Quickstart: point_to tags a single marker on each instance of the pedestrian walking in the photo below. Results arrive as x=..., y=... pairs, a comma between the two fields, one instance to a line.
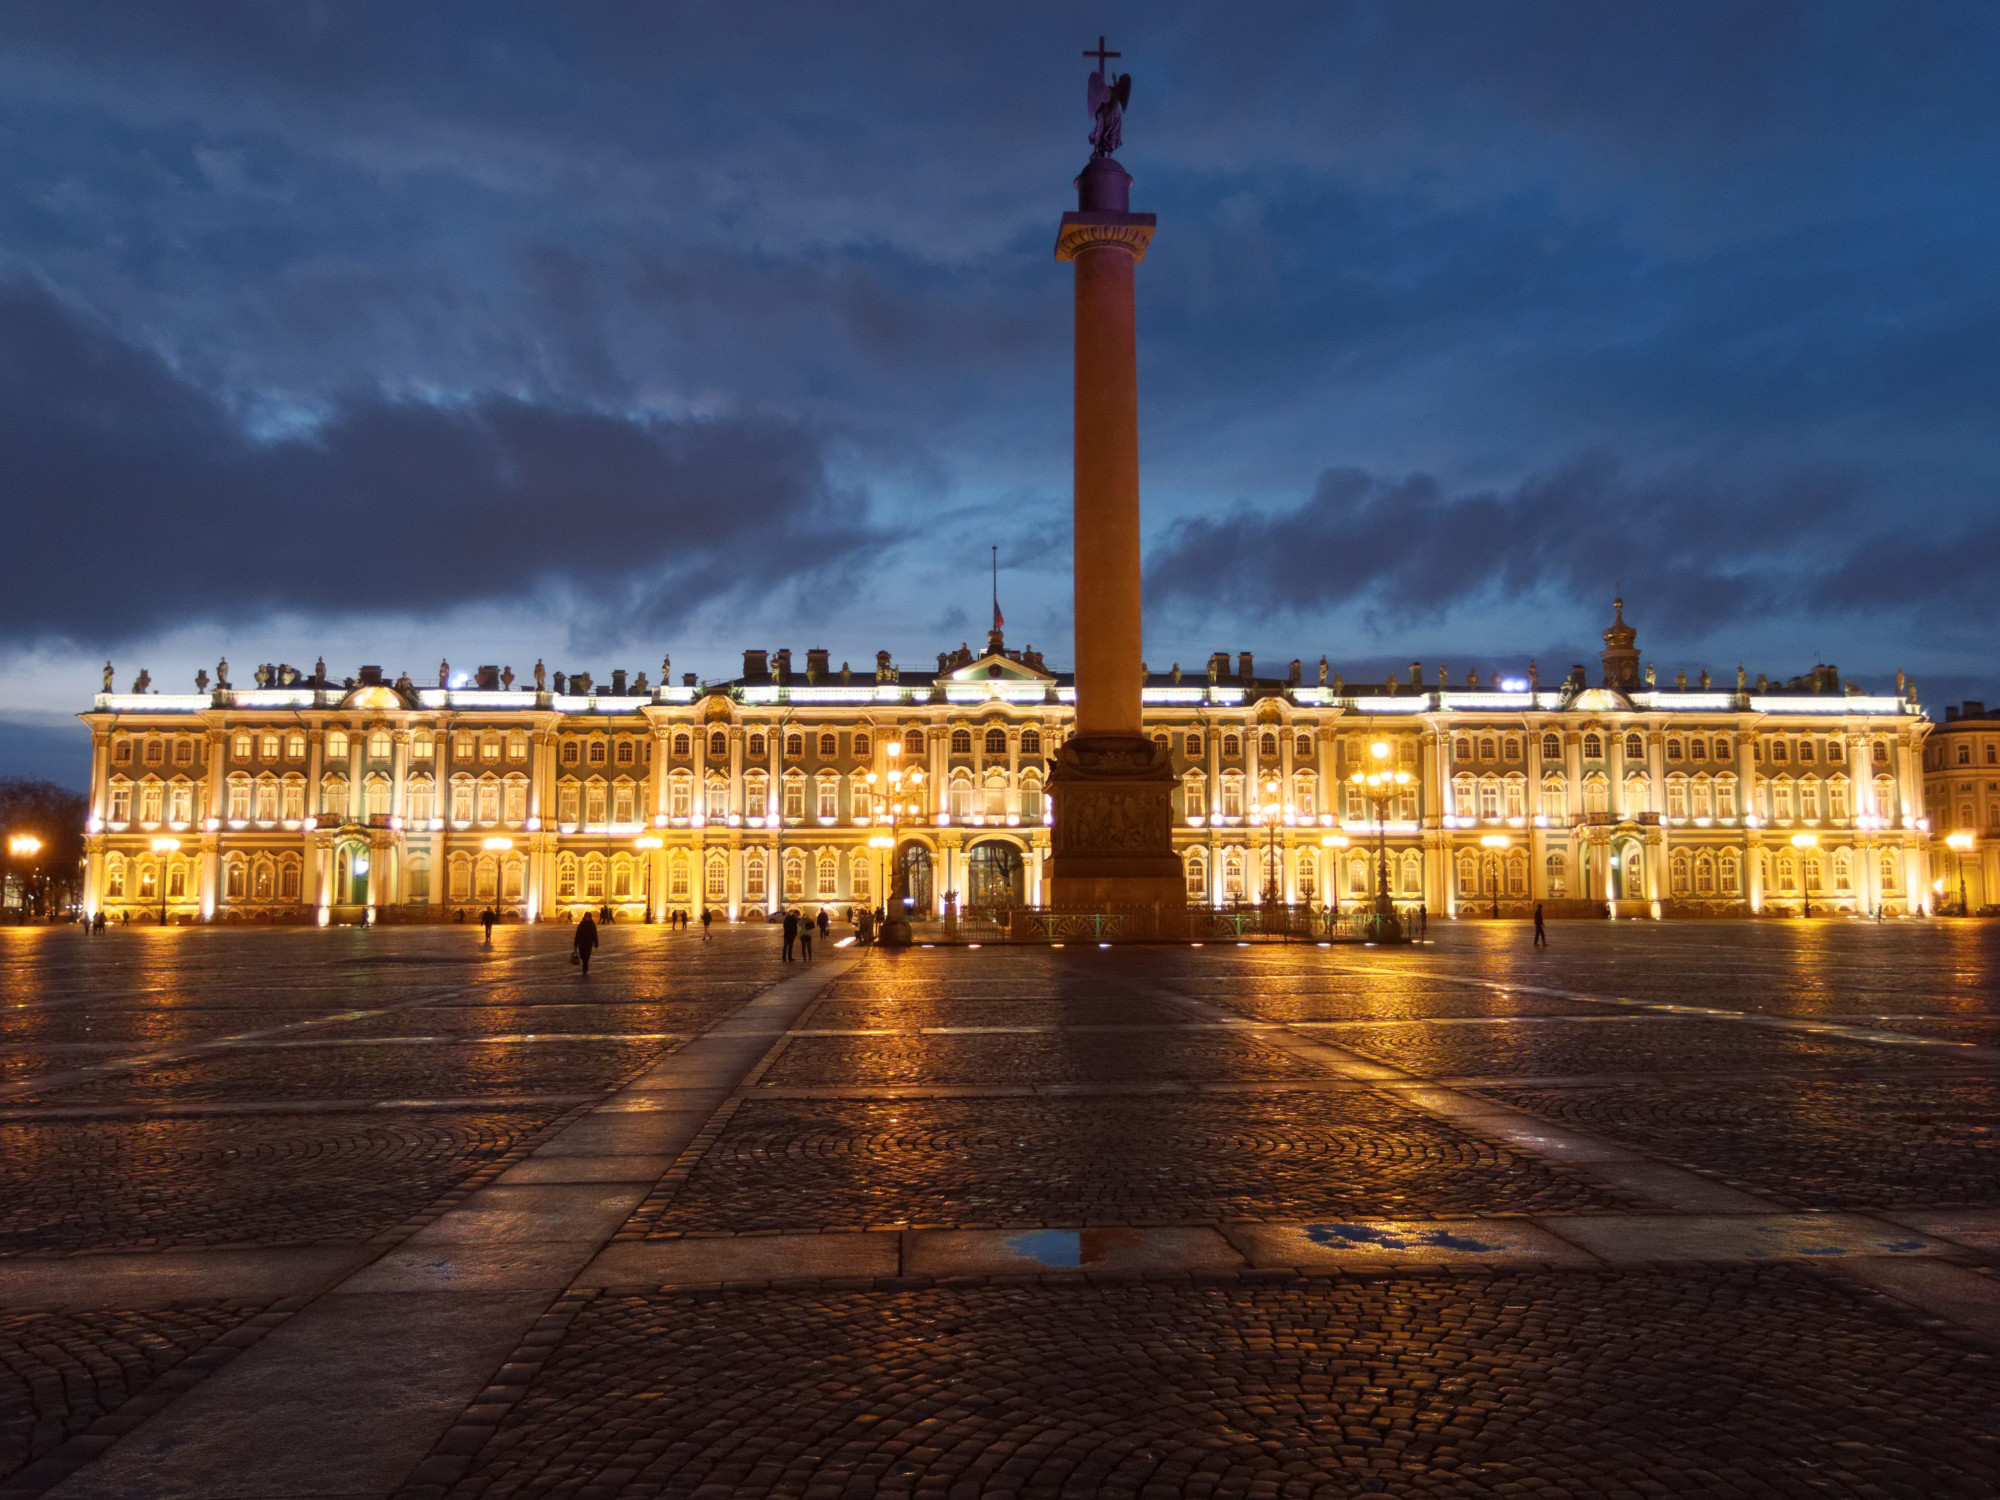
x=806, y=940
x=707, y=918
x=1423, y=918
x=584, y=944
x=1541, y=932
x=486, y=919
x=791, y=933
x=825, y=924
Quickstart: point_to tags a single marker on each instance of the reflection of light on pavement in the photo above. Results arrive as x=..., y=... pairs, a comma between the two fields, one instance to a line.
x=846, y=942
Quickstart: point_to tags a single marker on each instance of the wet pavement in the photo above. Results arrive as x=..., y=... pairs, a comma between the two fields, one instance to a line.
x=1669, y=1209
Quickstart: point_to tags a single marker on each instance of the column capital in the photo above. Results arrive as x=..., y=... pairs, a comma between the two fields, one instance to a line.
x=1080, y=232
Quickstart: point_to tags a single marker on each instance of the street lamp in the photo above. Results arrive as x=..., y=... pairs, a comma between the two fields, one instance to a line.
x=164, y=847
x=1494, y=843
x=1960, y=843
x=1803, y=842
x=1336, y=842
x=896, y=926
x=24, y=847
x=647, y=844
x=1274, y=880
x=1378, y=787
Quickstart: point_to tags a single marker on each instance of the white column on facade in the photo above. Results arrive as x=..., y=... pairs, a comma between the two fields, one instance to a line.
x=399, y=772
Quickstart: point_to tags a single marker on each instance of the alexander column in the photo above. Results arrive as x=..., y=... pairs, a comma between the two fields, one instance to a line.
x=1112, y=788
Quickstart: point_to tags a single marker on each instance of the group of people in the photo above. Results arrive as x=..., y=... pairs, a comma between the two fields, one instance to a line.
x=799, y=931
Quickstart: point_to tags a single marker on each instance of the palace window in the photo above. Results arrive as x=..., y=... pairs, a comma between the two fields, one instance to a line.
x=571, y=753
x=1516, y=788
x=621, y=877
x=1302, y=746
x=1723, y=750
x=827, y=807
x=1197, y=874
x=1232, y=875
x=594, y=801
x=961, y=742
x=1160, y=740
x=121, y=752
x=1194, y=797
x=569, y=798
x=419, y=796
x=1232, y=747
x=795, y=875
x=593, y=878
x=1673, y=747
x=1556, y=873
x=267, y=746
x=1596, y=794
x=288, y=876
x=1881, y=752
x=1888, y=869
x=795, y=747
x=1805, y=750
x=995, y=799
x=683, y=747
x=1031, y=742
x=829, y=746
x=829, y=877
x=1511, y=748
x=795, y=797
x=1679, y=873
x=1593, y=747
x=239, y=748
x=716, y=799
x=863, y=747
x=1305, y=793
x=1781, y=801
x=597, y=752
x=860, y=876
x=680, y=795
x=1308, y=878
x=913, y=742
x=756, y=747
x=625, y=752
x=623, y=799
x=753, y=876
x=1552, y=748
x=1725, y=796
x=1489, y=797
x=566, y=878
x=180, y=803
x=380, y=746
x=1697, y=749
x=461, y=800
x=961, y=795
x=677, y=876
x=1193, y=743
x=239, y=797
x=1489, y=748
x=514, y=800
x=1677, y=797
x=996, y=742
x=718, y=746
x=151, y=795
x=1267, y=746
x=1780, y=751
x=489, y=800
x=1232, y=794
x=1031, y=797
x=1836, y=797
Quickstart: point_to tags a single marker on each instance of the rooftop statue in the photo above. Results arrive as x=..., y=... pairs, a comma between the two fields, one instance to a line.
x=1107, y=104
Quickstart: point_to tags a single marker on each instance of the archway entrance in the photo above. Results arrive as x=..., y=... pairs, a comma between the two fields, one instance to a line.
x=913, y=878
x=996, y=875
x=1628, y=871
x=350, y=876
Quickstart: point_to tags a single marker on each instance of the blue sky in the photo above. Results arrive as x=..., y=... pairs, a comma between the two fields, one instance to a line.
x=598, y=332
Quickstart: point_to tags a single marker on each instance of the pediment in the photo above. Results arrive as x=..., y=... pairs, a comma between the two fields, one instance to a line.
x=995, y=668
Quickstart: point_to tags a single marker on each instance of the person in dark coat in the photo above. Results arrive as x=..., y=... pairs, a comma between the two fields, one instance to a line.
x=825, y=924
x=791, y=933
x=806, y=939
x=585, y=942
x=1541, y=932
x=707, y=919
x=486, y=919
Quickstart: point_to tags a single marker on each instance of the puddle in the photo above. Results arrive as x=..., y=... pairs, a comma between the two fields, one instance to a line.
x=1341, y=1235
x=1069, y=1249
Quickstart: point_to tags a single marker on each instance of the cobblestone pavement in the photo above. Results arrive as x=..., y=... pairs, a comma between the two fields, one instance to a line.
x=62, y=1374
x=791, y=1164
x=1462, y=1218
x=1713, y=1382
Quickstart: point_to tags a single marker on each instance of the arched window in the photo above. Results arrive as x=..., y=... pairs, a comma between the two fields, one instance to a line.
x=595, y=803
x=863, y=747
x=1232, y=794
x=566, y=877
x=913, y=742
x=1788, y=872
x=459, y=878
x=715, y=799
x=571, y=752
x=1196, y=864
x=1465, y=794
x=1593, y=747
x=996, y=742
x=683, y=747
x=1232, y=875
x=1305, y=793
x=1635, y=748
x=755, y=747
x=1413, y=873
x=267, y=799
x=678, y=885
x=826, y=797
x=1555, y=799
x=114, y=877
x=1468, y=874
x=715, y=879
x=624, y=756
x=597, y=752
x=513, y=878
x=861, y=875
x=1192, y=745
x=1888, y=873
x=961, y=794
x=1031, y=742
x=1232, y=747
x=795, y=746
x=1596, y=794
x=1677, y=795
x=1556, y=873
x=1679, y=870
x=288, y=875
x=829, y=746
x=828, y=886
x=718, y=745
x=993, y=801
x=295, y=746
x=1836, y=797
x=1031, y=796
x=1302, y=746
x=1489, y=748
x=1515, y=790
x=754, y=884
x=795, y=796
x=1729, y=872
x=1267, y=746
x=486, y=878
x=1517, y=873
x=1552, y=747
x=621, y=877
x=514, y=799
x=961, y=742
x=1843, y=873
x=593, y=877
x=1704, y=874
x=1308, y=878
x=795, y=875
x=1489, y=796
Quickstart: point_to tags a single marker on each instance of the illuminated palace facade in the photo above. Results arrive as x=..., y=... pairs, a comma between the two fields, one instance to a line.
x=391, y=803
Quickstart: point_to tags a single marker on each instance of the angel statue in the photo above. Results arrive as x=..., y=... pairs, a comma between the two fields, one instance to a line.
x=1107, y=104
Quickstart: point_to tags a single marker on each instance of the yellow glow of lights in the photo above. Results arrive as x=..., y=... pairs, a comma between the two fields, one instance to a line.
x=1960, y=841
x=165, y=846
x=23, y=845
x=649, y=842
x=1804, y=840
x=1495, y=840
x=498, y=844
x=1334, y=841
x=1380, y=749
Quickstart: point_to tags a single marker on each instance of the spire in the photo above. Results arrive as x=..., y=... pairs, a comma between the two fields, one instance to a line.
x=1620, y=656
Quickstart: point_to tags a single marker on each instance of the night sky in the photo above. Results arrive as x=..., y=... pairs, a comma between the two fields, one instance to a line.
x=592, y=332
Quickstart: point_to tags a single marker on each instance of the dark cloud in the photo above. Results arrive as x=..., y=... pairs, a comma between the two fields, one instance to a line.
x=1702, y=553
x=139, y=502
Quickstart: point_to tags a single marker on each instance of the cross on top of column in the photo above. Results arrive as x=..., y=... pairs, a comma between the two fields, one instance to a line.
x=1100, y=54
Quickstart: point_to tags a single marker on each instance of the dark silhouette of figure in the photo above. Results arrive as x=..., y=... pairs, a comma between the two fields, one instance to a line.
x=1423, y=918
x=486, y=919
x=791, y=933
x=806, y=940
x=707, y=918
x=825, y=924
x=585, y=942
x=1541, y=932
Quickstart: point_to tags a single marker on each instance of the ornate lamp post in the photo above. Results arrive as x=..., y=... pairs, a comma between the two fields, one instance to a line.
x=164, y=847
x=1336, y=842
x=1271, y=810
x=1960, y=843
x=898, y=783
x=24, y=847
x=646, y=845
x=1803, y=842
x=1494, y=843
x=1378, y=787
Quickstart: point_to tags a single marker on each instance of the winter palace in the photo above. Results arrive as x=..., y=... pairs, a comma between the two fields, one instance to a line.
x=306, y=800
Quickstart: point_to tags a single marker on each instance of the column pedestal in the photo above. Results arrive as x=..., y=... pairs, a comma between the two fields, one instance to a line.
x=1113, y=839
